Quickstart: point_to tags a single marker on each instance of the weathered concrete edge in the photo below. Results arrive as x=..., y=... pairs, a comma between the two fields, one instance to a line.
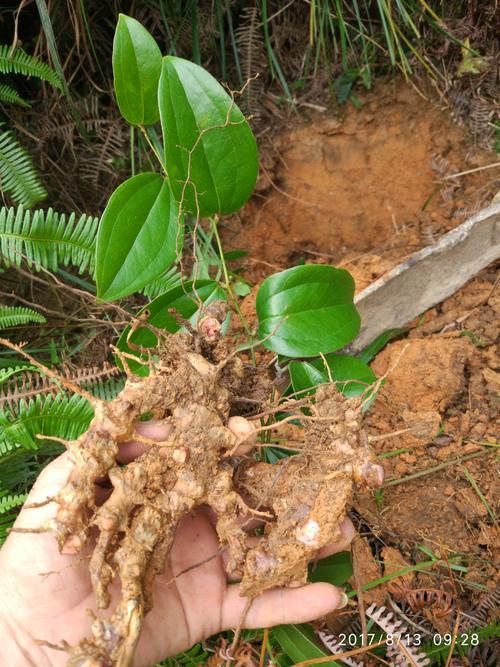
x=429, y=276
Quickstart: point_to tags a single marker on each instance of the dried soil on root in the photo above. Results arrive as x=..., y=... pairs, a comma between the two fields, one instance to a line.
x=305, y=497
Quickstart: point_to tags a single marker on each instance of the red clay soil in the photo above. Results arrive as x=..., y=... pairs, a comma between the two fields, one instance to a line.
x=348, y=182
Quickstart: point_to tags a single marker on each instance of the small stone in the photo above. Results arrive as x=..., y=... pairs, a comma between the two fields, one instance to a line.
x=308, y=534
x=180, y=455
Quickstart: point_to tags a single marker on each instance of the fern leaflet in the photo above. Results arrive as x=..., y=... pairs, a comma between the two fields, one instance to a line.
x=8, y=94
x=192, y=658
x=8, y=502
x=58, y=415
x=168, y=280
x=26, y=382
x=18, y=61
x=10, y=371
x=47, y=239
x=12, y=316
x=18, y=176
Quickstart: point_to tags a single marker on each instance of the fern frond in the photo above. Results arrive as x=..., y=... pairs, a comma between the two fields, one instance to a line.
x=58, y=415
x=23, y=383
x=394, y=626
x=6, y=521
x=171, y=278
x=18, y=471
x=18, y=61
x=47, y=239
x=8, y=94
x=10, y=371
x=9, y=502
x=18, y=176
x=192, y=658
x=12, y=316
x=253, y=57
x=106, y=390
x=19, y=467
x=7, y=447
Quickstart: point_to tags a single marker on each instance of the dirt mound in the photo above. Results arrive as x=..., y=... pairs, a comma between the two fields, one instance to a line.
x=453, y=375
x=351, y=181
x=425, y=373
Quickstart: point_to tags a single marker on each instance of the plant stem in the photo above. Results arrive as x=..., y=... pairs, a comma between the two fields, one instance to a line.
x=227, y=286
x=52, y=46
x=441, y=466
x=153, y=148
x=132, y=152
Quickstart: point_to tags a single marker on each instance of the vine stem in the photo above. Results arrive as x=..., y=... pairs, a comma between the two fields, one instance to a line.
x=153, y=148
x=228, y=288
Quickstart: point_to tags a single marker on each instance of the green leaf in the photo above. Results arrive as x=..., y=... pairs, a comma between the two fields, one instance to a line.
x=19, y=62
x=185, y=299
x=299, y=643
x=46, y=415
x=18, y=176
x=8, y=94
x=136, y=70
x=12, y=316
x=45, y=239
x=140, y=234
x=307, y=310
x=369, y=352
x=207, y=141
x=335, y=569
x=341, y=367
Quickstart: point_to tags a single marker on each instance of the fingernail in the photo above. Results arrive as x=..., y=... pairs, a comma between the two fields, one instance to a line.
x=344, y=600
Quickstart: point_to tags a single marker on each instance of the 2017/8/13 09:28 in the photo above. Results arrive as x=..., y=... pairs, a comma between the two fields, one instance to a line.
x=447, y=639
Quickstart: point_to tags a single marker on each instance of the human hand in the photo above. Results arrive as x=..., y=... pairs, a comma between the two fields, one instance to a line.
x=46, y=596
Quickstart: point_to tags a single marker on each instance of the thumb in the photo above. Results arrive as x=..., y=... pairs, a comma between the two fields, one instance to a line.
x=281, y=605
x=49, y=482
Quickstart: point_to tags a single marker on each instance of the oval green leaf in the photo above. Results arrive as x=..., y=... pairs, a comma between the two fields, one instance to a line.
x=373, y=348
x=140, y=235
x=210, y=150
x=299, y=642
x=335, y=569
x=136, y=69
x=352, y=375
x=185, y=299
x=307, y=311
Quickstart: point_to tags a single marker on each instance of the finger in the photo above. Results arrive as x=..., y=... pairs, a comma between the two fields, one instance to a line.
x=49, y=482
x=46, y=487
x=43, y=552
x=281, y=605
x=348, y=532
x=158, y=431
x=346, y=527
x=244, y=432
x=153, y=430
x=250, y=542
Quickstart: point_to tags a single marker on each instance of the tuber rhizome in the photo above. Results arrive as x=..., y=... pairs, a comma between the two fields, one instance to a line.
x=193, y=386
